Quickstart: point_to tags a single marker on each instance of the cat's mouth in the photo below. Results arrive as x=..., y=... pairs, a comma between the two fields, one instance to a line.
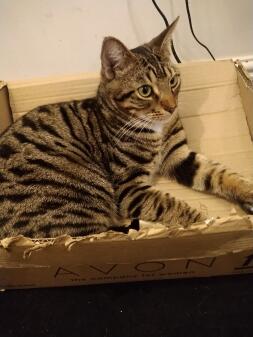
x=159, y=116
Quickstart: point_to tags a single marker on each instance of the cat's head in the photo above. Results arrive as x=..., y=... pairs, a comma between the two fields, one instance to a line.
x=141, y=81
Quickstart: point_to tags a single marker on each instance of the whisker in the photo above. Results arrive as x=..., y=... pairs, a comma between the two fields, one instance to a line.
x=127, y=130
x=148, y=122
x=131, y=121
x=132, y=128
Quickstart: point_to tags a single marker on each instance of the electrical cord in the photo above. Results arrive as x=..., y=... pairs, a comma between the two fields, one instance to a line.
x=161, y=13
x=191, y=27
x=190, y=23
x=167, y=25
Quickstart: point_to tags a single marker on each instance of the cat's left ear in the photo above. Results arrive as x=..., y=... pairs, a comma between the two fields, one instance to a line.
x=115, y=56
x=161, y=44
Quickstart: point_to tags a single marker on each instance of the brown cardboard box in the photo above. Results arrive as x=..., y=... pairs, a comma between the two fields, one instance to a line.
x=5, y=110
x=214, y=103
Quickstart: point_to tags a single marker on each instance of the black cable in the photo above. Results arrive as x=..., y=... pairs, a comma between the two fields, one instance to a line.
x=190, y=22
x=167, y=25
x=161, y=13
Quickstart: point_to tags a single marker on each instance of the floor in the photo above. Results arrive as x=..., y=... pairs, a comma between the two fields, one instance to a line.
x=215, y=307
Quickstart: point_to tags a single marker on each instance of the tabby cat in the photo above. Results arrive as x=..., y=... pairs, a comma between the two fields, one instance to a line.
x=86, y=166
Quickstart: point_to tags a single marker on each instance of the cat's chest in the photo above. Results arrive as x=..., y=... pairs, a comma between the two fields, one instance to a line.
x=152, y=154
x=155, y=166
x=144, y=153
x=158, y=127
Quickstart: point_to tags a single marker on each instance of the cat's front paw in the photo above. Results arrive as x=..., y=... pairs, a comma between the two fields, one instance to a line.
x=246, y=202
x=191, y=216
x=183, y=214
x=247, y=206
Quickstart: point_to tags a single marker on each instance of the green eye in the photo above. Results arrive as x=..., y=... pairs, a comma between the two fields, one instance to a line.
x=145, y=90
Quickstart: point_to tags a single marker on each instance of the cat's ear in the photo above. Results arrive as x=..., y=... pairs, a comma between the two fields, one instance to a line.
x=114, y=56
x=162, y=43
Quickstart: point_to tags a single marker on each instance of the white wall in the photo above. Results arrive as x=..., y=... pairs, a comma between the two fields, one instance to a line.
x=48, y=37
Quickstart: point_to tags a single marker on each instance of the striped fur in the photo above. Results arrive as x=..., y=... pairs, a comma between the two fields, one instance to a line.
x=86, y=166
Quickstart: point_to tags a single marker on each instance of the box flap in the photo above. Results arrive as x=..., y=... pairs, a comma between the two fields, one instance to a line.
x=5, y=110
x=246, y=89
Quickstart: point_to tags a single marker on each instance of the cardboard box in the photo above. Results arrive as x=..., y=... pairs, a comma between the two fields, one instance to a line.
x=215, y=104
x=5, y=110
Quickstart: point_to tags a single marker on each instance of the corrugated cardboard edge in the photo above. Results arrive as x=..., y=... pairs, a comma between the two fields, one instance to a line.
x=6, y=118
x=246, y=89
x=148, y=231
x=221, y=247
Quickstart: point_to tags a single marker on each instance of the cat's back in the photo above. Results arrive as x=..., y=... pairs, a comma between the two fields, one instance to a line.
x=50, y=170
x=43, y=122
x=45, y=141
x=46, y=129
x=60, y=134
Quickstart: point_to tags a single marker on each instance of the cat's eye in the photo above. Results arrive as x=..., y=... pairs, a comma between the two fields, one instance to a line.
x=145, y=90
x=174, y=80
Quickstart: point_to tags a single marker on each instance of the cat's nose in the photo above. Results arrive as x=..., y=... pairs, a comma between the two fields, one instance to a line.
x=169, y=103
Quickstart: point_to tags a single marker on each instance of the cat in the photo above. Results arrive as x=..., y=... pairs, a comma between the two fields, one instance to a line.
x=87, y=166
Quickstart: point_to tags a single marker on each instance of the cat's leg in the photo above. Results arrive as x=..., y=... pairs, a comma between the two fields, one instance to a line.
x=196, y=171
x=137, y=199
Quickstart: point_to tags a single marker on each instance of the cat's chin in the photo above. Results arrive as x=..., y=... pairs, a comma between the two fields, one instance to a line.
x=158, y=126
